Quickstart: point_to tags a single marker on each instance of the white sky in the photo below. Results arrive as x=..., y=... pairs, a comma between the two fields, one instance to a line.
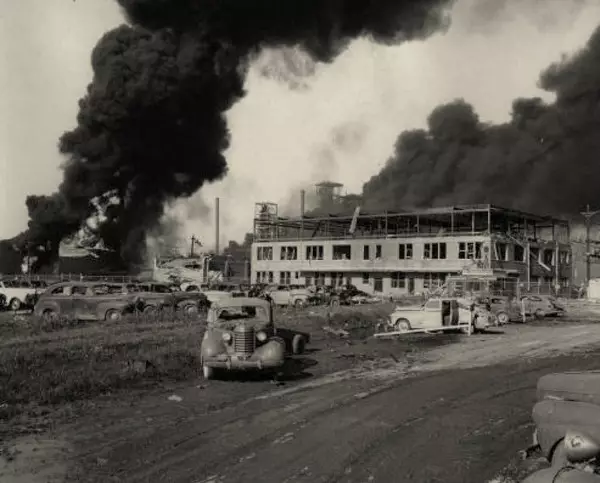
x=280, y=137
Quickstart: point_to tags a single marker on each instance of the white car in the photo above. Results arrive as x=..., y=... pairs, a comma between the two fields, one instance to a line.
x=17, y=293
x=285, y=295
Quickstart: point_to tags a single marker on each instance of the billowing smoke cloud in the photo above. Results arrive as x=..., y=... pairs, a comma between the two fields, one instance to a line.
x=545, y=159
x=151, y=128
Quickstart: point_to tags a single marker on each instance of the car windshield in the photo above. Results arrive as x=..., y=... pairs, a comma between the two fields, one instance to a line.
x=249, y=312
x=108, y=289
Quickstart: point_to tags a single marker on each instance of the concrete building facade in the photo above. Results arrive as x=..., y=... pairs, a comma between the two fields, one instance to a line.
x=403, y=253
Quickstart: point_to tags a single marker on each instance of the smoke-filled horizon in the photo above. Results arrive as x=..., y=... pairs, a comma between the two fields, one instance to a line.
x=151, y=127
x=543, y=160
x=288, y=128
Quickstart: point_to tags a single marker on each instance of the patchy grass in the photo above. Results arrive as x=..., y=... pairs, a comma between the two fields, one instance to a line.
x=48, y=363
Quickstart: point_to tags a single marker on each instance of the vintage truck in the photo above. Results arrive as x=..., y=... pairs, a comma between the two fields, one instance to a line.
x=241, y=335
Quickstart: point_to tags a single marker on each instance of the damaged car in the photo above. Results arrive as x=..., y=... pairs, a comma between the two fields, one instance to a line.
x=241, y=335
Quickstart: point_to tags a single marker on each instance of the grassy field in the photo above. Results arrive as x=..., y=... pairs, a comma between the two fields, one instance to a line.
x=45, y=363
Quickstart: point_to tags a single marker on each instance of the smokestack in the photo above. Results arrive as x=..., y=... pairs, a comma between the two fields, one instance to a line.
x=302, y=202
x=217, y=234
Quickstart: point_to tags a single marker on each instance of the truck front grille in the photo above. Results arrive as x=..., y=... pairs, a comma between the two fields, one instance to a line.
x=244, y=339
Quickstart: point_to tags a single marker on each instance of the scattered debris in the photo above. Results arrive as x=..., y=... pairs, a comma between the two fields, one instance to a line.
x=175, y=398
x=336, y=332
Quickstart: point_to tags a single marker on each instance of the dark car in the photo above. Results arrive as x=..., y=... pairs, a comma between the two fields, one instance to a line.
x=87, y=301
x=158, y=296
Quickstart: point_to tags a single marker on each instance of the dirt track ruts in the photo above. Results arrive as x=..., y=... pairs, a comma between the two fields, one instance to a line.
x=374, y=422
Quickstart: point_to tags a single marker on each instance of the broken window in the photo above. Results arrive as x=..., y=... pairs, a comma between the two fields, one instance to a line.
x=289, y=253
x=501, y=251
x=434, y=251
x=469, y=250
x=264, y=253
x=405, y=251
x=342, y=252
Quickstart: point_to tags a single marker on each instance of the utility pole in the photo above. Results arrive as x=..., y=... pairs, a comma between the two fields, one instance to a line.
x=588, y=215
x=192, y=246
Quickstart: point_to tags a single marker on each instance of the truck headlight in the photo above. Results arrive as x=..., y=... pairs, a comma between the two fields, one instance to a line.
x=261, y=336
x=226, y=336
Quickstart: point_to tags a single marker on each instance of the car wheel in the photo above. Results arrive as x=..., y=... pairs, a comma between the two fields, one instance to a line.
x=539, y=314
x=208, y=372
x=15, y=304
x=299, y=303
x=113, y=315
x=403, y=325
x=49, y=315
x=335, y=303
x=298, y=344
x=502, y=318
x=190, y=310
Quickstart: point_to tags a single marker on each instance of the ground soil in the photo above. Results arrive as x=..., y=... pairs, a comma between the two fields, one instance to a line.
x=423, y=408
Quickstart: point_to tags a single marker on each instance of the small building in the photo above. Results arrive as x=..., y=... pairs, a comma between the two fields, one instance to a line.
x=408, y=252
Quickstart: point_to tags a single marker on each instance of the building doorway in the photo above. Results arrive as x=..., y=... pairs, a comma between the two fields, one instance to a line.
x=378, y=283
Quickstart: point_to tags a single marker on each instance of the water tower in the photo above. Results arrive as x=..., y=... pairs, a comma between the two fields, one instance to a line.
x=328, y=193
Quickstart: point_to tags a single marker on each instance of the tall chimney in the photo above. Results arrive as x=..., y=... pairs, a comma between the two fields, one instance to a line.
x=302, y=202
x=217, y=219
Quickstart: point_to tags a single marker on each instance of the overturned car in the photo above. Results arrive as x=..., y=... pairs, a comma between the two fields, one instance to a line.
x=241, y=335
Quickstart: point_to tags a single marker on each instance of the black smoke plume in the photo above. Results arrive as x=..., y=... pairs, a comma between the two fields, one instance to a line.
x=151, y=126
x=546, y=159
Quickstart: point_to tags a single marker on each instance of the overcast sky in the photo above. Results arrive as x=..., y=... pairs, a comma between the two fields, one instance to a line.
x=489, y=56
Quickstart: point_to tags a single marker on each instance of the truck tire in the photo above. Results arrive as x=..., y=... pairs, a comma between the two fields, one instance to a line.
x=113, y=315
x=571, y=386
x=298, y=344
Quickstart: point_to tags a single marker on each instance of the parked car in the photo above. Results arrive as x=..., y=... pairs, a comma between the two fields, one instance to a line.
x=241, y=335
x=18, y=293
x=285, y=295
x=504, y=309
x=567, y=427
x=87, y=301
x=541, y=306
x=159, y=296
x=439, y=313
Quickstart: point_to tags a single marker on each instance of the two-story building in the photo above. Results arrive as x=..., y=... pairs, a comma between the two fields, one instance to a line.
x=400, y=253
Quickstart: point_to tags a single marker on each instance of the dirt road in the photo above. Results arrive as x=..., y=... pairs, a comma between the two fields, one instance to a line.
x=454, y=413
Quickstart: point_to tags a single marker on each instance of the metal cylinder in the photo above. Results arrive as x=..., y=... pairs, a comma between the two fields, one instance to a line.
x=217, y=220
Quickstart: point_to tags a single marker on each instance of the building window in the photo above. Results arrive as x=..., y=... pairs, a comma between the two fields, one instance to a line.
x=365, y=278
x=519, y=253
x=398, y=280
x=433, y=280
x=289, y=253
x=270, y=277
x=501, y=251
x=337, y=279
x=320, y=279
x=469, y=250
x=348, y=280
x=285, y=278
x=296, y=275
x=548, y=257
x=435, y=251
x=405, y=251
x=366, y=254
x=377, y=251
x=342, y=252
x=314, y=252
x=564, y=282
x=564, y=258
x=264, y=253
x=308, y=280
